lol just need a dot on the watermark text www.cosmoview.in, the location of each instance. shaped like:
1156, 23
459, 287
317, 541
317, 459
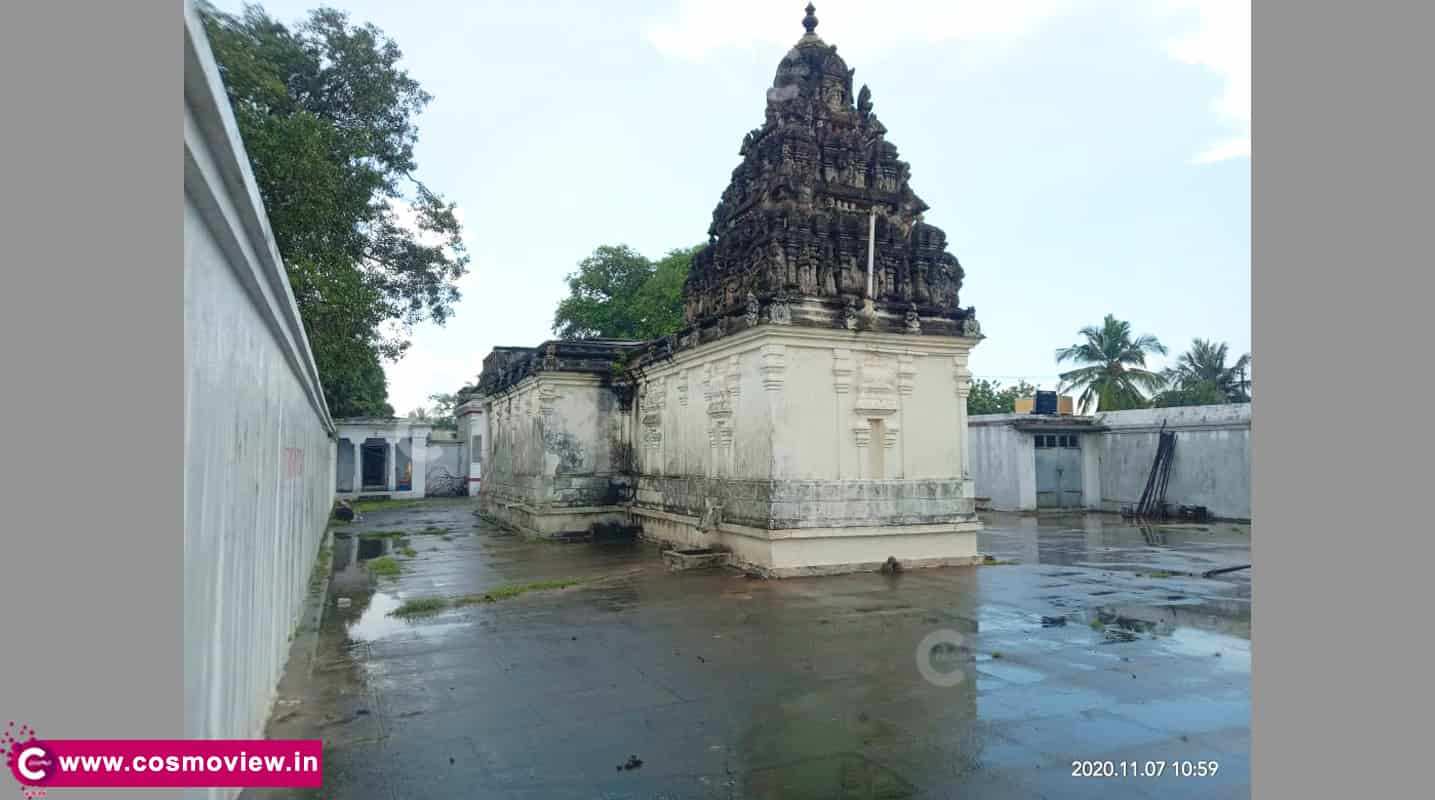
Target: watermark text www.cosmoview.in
42, 764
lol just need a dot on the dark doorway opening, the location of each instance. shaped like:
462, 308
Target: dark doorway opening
1058, 470
376, 464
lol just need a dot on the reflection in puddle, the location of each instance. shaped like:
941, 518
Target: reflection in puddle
1234, 653
1012, 673
1117, 627
375, 622
343, 551
1230, 641
848, 776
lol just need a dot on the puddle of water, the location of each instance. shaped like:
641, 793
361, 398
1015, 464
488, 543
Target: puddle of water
371, 548
1011, 672
375, 622
1235, 653
845, 776
343, 551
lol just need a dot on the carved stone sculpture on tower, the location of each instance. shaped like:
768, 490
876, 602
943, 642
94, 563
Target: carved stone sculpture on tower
794, 217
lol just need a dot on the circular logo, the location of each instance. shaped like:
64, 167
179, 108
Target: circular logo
939, 658
34, 763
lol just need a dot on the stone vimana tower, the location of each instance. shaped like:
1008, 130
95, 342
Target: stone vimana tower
810, 415
794, 224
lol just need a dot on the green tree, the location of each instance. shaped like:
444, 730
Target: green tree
355, 386
1114, 376
987, 397
617, 293
442, 412
1201, 374
327, 119
1201, 394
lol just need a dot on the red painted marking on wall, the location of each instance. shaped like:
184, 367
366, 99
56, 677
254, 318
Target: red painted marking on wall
293, 462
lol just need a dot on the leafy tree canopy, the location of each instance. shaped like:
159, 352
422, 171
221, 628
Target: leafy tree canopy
441, 412
987, 396
1201, 373
617, 293
355, 381
327, 118
1114, 375
1197, 394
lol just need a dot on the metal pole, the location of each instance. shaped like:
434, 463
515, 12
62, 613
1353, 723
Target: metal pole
871, 247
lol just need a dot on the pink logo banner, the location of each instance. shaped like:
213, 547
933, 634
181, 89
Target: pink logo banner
163, 763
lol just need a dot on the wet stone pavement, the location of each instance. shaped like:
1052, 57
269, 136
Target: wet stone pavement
1102, 643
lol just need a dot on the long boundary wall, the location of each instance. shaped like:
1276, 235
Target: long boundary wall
1211, 467
258, 439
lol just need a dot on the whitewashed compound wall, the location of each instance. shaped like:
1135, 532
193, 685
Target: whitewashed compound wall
446, 473
259, 469
1211, 467
1003, 462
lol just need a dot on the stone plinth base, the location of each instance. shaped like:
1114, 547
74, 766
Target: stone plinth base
795, 552
551, 522
699, 558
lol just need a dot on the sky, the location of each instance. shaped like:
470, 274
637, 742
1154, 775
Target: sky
1084, 158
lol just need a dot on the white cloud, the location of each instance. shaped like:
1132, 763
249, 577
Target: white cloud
407, 217
423, 371
1235, 147
1220, 40
1222, 44
702, 27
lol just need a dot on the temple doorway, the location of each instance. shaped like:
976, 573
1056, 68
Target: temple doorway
375, 464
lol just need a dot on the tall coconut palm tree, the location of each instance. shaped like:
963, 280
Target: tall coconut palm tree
1114, 375
1203, 367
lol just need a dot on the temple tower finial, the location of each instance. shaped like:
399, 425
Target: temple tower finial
810, 21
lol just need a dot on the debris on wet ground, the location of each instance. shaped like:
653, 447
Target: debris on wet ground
1211, 573
807, 687
343, 511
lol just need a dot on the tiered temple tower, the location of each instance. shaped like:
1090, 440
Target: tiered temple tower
796, 222
810, 416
